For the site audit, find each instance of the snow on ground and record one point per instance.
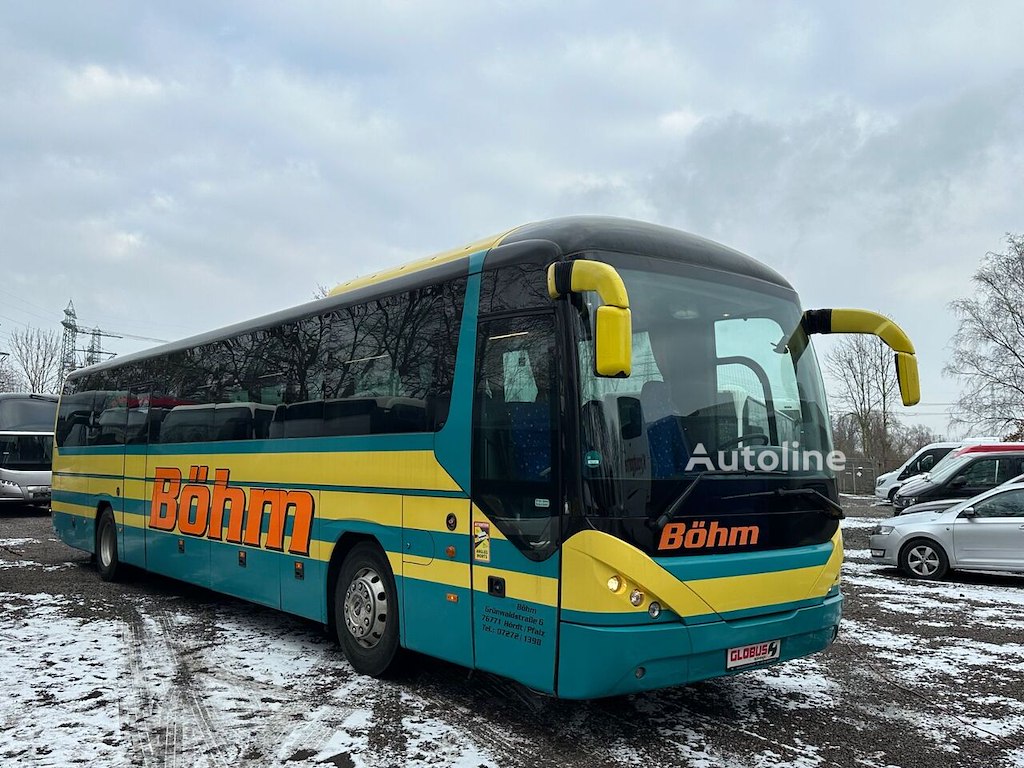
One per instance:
(860, 522)
(86, 691)
(954, 644)
(11, 543)
(60, 682)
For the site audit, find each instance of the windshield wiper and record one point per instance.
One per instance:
(676, 505)
(829, 506)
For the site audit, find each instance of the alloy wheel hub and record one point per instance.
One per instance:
(366, 608)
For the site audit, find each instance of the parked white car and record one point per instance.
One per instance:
(983, 533)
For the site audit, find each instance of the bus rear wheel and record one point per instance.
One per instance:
(366, 611)
(107, 561)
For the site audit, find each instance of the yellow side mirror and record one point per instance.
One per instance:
(613, 342)
(908, 377)
(866, 321)
(613, 332)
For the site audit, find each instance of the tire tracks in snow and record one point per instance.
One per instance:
(183, 706)
(167, 719)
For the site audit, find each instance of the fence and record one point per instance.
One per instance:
(859, 476)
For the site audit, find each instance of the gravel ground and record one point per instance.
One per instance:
(153, 672)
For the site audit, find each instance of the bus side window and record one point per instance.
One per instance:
(74, 415)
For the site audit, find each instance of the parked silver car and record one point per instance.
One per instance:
(983, 533)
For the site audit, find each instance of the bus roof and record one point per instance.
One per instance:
(572, 235)
(576, 234)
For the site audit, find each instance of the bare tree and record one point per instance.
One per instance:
(845, 434)
(10, 379)
(907, 439)
(865, 372)
(988, 349)
(37, 355)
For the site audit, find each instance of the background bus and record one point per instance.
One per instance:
(26, 447)
(485, 456)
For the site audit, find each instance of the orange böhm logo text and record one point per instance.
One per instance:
(700, 535)
(198, 509)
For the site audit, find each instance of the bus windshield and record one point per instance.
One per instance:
(27, 414)
(714, 387)
(26, 452)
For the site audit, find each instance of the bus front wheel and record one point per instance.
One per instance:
(366, 611)
(107, 561)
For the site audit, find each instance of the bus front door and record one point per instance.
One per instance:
(516, 510)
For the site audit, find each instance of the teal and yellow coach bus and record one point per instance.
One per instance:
(589, 454)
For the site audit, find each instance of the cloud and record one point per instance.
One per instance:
(96, 83)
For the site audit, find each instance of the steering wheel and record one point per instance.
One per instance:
(737, 440)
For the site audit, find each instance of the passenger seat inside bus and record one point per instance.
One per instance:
(666, 437)
(530, 430)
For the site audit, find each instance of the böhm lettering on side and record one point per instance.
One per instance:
(199, 509)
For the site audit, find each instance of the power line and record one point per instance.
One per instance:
(17, 322)
(25, 301)
(120, 334)
(48, 319)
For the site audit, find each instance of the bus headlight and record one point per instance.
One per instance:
(654, 610)
(615, 583)
(636, 597)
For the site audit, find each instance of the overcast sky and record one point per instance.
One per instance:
(176, 167)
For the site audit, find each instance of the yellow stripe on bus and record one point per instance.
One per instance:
(519, 586)
(591, 558)
(380, 508)
(430, 513)
(738, 593)
(68, 508)
(72, 483)
(398, 470)
(439, 571)
(417, 266)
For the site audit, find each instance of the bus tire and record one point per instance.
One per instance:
(923, 559)
(366, 611)
(107, 561)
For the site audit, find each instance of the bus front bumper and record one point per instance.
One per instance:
(29, 494)
(596, 661)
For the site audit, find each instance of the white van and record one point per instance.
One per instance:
(922, 461)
